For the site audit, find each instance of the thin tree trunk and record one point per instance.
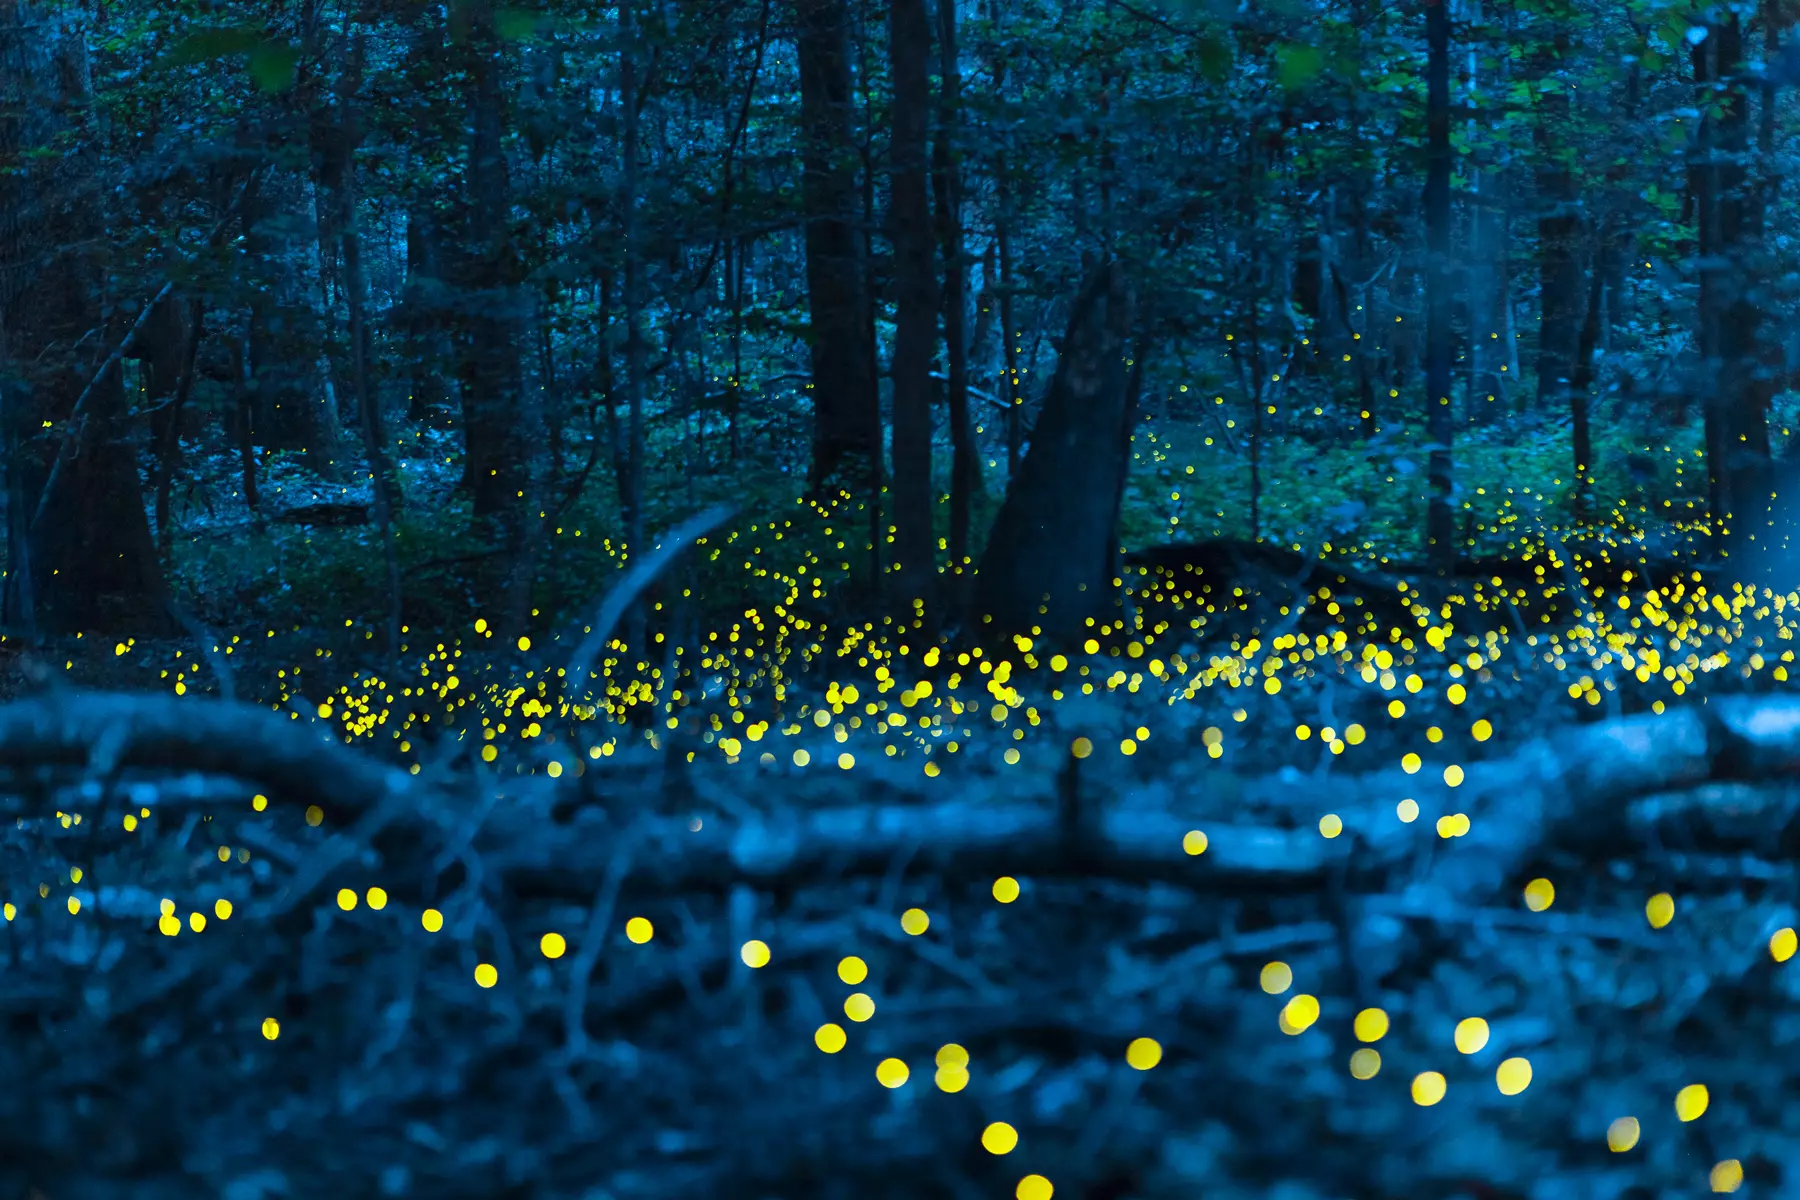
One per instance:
(947, 184)
(633, 497)
(1440, 530)
(168, 450)
(916, 303)
(846, 446)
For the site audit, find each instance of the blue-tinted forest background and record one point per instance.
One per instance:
(927, 598)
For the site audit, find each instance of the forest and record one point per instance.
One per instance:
(1109, 599)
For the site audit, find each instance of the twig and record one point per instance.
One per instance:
(627, 589)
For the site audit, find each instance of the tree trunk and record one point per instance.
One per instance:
(290, 405)
(1048, 562)
(1559, 234)
(915, 303)
(846, 442)
(1440, 532)
(89, 561)
(489, 325)
(947, 184)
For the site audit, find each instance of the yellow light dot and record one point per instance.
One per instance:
(166, 907)
(196, 921)
(74, 906)
(9, 912)
(324, 712)
(952, 1057)
(1407, 810)
(950, 1079)
(168, 924)
(1271, 685)
(1660, 910)
(1428, 1087)
(1396, 708)
(1127, 747)
(1782, 944)
(222, 909)
(1446, 827)
(1371, 1025)
(1355, 734)
(1303, 732)
(1513, 1076)
(271, 1028)
(859, 1007)
(755, 953)
(1006, 889)
(914, 921)
(1143, 1053)
(1410, 763)
(259, 802)
(830, 1037)
(554, 770)
(1298, 1015)
(346, 899)
(1081, 747)
(130, 822)
(314, 815)
(1540, 894)
(553, 945)
(639, 930)
(1035, 1187)
(524, 643)
(1453, 775)
(1331, 825)
(801, 758)
(846, 760)
(1277, 977)
(999, 1138)
(1691, 1101)
(377, 898)
(1193, 842)
(1727, 1176)
(852, 970)
(1482, 730)
(1622, 1135)
(892, 1073)
(1460, 824)
(1414, 683)
(486, 975)
(1471, 1034)
(1456, 693)
(432, 920)
(489, 753)
(1365, 1063)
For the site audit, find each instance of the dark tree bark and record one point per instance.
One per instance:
(1729, 221)
(1581, 381)
(81, 556)
(1440, 532)
(1049, 556)
(290, 408)
(1559, 234)
(489, 329)
(846, 443)
(947, 185)
(915, 302)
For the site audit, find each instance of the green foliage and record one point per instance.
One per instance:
(271, 61)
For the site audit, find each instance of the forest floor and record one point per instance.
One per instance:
(1243, 896)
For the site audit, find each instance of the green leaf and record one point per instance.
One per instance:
(514, 24)
(1214, 57)
(1297, 65)
(272, 66)
(271, 61)
(205, 45)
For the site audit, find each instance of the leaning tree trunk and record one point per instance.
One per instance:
(1049, 555)
(846, 446)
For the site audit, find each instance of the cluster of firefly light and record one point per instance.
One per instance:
(1669, 635)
